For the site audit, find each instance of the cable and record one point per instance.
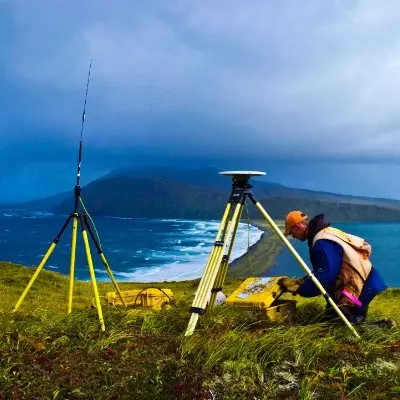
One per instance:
(94, 226)
(248, 239)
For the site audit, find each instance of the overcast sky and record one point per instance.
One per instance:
(307, 91)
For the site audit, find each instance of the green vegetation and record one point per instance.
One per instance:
(155, 198)
(233, 354)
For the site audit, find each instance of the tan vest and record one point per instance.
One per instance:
(356, 265)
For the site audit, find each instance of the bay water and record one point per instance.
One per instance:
(385, 241)
(155, 250)
(140, 249)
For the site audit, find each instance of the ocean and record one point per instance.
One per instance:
(385, 241)
(155, 250)
(145, 250)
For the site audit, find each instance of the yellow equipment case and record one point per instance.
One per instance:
(263, 293)
(148, 297)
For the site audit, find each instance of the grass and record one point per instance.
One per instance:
(233, 354)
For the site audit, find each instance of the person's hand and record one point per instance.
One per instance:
(290, 285)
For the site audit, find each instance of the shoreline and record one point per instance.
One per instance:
(261, 256)
(264, 255)
(257, 260)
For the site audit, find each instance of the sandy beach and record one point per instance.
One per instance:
(261, 255)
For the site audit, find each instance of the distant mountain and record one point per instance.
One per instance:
(209, 177)
(203, 193)
(204, 177)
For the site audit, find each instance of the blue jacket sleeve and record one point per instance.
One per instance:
(326, 258)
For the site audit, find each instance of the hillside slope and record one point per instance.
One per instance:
(202, 194)
(233, 354)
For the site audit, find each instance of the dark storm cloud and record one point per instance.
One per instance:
(258, 80)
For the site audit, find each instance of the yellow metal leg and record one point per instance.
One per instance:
(35, 275)
(216, 254)
(305, 267)
(223, 269)
(208, 279)
(72, 263)
(93, 277)
(102, 257)
(110, 274)
(200, 293)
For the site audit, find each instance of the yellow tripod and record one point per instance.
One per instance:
(76, 217)
(216, 268)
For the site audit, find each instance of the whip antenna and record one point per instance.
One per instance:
(78, 176)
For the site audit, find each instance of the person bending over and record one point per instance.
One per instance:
(341, 263)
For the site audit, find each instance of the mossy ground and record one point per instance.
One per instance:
(143, 354)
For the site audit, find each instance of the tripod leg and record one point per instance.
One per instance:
(92, 275)
(214, 253)
(200, 290)
(303, 264)
(224, 263)
(72, 263)
(208, 279)
(41, 265)
(104, 261)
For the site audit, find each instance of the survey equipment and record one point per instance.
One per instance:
(216, 268)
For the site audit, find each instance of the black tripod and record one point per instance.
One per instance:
(82, 217)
